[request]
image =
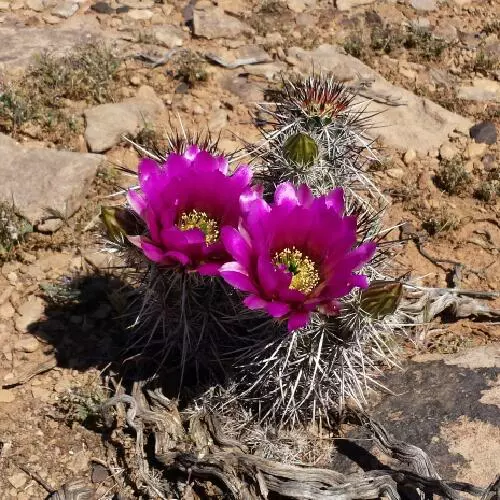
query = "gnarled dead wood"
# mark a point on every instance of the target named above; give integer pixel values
(204, 454)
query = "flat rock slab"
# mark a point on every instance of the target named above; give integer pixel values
(39, 180)
(415, 123)
(106, 124)
(215, 23)
(19, 46)
(449, 405)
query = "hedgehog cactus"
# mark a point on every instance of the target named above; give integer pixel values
(289, 296)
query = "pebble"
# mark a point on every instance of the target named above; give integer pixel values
(425, 5)
(18, 480)
(296, 6)
(29, 312)
(41, 394)
(395, 173)
(135, 80)
(410, 156)
(475, 150)
(65, 9)
(102, 8)
(139, 14)
(28, 344)
(6, 311)
(36, 5)
(50, 19)
(484, 132)
(169, 36)
(7, 396)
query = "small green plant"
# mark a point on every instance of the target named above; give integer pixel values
(426, 46)
(354, 46)
(452, 176)
(189, 67)
(488, 191)
(82, 405)
(444, 220)
(40, 96)
(13, 229)
(484, 63)
(385, 39)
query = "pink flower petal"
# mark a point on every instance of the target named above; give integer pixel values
(335, 200)
(237, 276)
(254, 303)
(178, 257)
(297, 320)
(285, 195)
(236, 246)
(304, 195)
(277, 309)
(152, 252)
(136, 201)
(209, 269)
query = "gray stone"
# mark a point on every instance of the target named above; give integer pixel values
(417, 123)
(106, 124)
(349, 4)
(215, 23)
(481, 90)
(102, 8)
(65, 9)
(39, 179)
(485, 132)
(424, 5)
(169, 36)
(20, 45)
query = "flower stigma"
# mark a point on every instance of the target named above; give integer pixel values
(200, 220)
(305, 276)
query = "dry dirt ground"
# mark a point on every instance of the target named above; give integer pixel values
(57, 338)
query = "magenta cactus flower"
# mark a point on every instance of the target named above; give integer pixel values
(185, 203)
(296, 255)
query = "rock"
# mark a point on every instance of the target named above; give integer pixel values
(248, 92)
(41, 394)
(452, 413)
(236, 7)
(139, 15)
(123, 9)
(102, 8)
(296, 6)
(410, 156)
(36, 5)
(395, 173)
(446, 32)
(481, 90)
(447, 151)
(4, 5)
(215, 23)
(27, 344)
(139, 4)
(417, 124)
(29, 313)
(7, 396)
(20, 45)
(217, 121)
(65, 9)
(50, 19)
(169, 36)
(425, 5)
(349, 4)
(475, 150)
(484, 132)
(38, 179)
(18, 480)
(7, 311)
(421, 23)
(135, 80)
(106, 124)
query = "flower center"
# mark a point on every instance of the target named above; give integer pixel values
(305, 273)
(200, 220)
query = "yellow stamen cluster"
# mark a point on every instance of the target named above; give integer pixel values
(200, 220)
(304, 270)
